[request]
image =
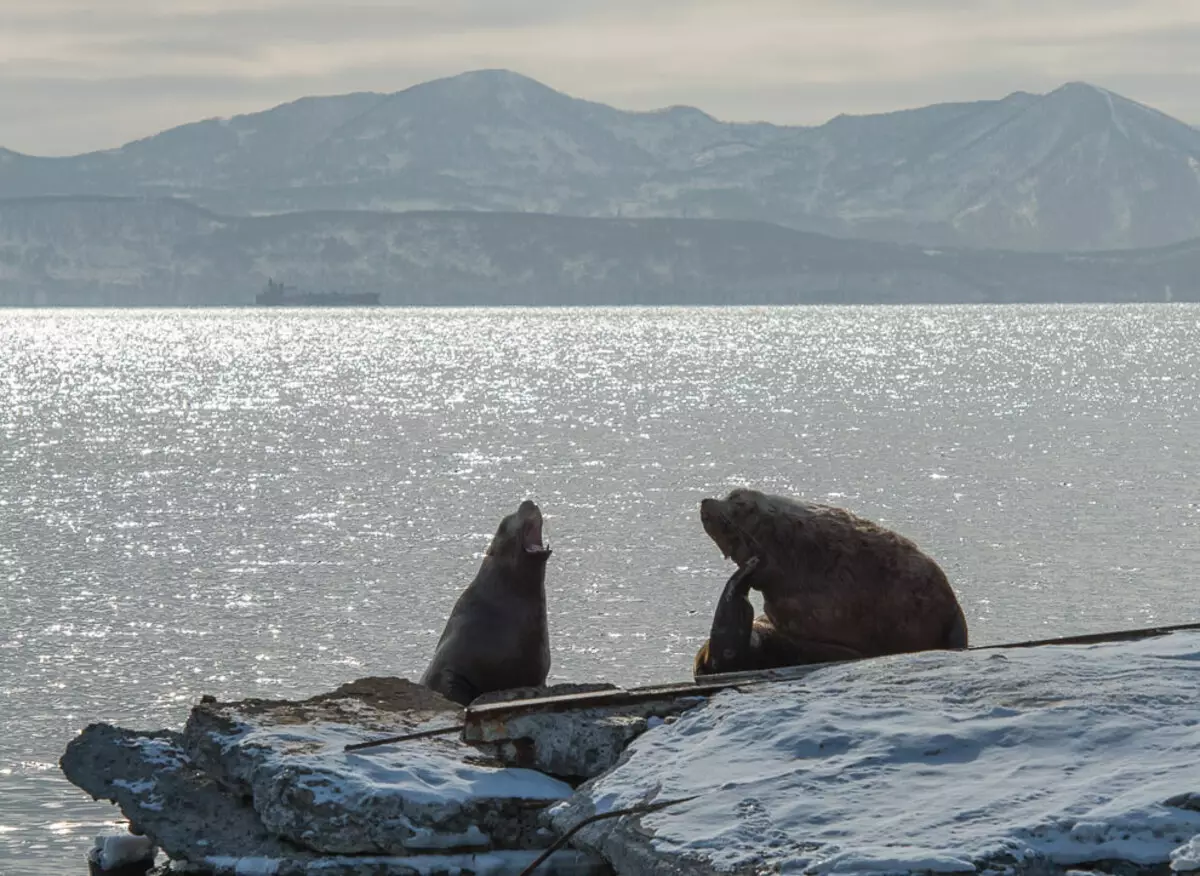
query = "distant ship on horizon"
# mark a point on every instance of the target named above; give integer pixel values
(280, 295)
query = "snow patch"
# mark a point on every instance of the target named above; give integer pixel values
(1112, 113)
(1186, 858)
(121, 850)
(145, 789)
(940, 762)
(243, 866)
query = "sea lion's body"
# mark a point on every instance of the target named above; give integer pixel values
(741, 642)
(832, 584)
(497, 636)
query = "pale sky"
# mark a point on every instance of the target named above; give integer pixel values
(77, 75)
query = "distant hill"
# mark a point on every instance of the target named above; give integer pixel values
(112, 251)
(1080, 168)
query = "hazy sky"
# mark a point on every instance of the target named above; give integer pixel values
(77, 75)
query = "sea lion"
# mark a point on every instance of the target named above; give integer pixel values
(740, 642)
(832, 582)
(497, 637)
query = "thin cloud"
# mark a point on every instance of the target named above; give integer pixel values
(74, 77)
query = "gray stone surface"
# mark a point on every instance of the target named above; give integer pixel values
(266, 786)
(165, 796)
(378, 707)
(571, 744)
(510, 863)
(426, 795)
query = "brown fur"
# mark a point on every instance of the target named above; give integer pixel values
(832, 579)
(738, 641)
(769, 649)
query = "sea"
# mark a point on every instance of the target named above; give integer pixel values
(269, 503)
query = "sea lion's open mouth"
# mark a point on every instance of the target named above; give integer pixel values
(531, 538)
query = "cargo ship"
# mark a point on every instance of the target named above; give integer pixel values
(280, 295)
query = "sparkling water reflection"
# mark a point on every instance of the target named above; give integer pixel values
(271, 503)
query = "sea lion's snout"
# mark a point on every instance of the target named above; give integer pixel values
(520, 535)
(531, 530)
(716, 524)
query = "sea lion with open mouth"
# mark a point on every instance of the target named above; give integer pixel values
(497, 637)
(834, 586)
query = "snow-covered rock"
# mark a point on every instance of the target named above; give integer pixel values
(1026, 762)
(420, 796)
(1020, 761)
(267, 786)
(165, 797)
(1186, 858)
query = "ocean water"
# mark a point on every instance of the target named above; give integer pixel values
(270, 503)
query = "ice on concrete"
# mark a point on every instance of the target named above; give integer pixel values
(941, 762)
(121, 850)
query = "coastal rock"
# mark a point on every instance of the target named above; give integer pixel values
(575, 746)
(1022, 761)
(165, 797)
(266, 786)
(571, 745)
(377, 706)
(507, 863)
(1186, 858)
(421, 796)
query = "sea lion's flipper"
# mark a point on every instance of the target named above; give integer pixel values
(732, 645)
(739, 581)
(452, 686)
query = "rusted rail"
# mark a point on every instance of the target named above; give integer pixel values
(407, 737)
(490, 715)
(1096, 638)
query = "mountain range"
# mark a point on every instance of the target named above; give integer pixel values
(94, 250)
(1078, 169)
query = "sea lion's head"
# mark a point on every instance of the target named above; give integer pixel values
(728, 523)
(519, 537)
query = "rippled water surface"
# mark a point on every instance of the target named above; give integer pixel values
(267, 503)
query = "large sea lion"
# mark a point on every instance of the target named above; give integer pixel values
(496, 637)
(834, 586)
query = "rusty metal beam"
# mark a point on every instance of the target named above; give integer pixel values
(1097, 638)
(487, 721)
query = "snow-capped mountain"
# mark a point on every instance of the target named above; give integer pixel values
(1079, 168)
(99, 251)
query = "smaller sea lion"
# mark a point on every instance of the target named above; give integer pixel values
(740, 642)
(832, 580)
(497, 637)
